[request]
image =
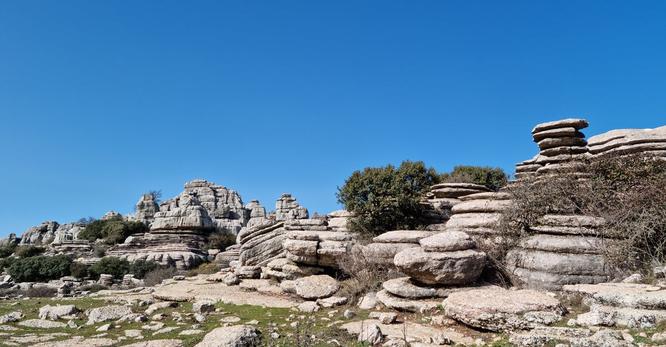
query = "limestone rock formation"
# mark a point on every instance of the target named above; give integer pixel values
(42, 234)
(447, 258)
(261, 243)
(630, 141)
(146, 208)
(311, 242)
(384, 247)
(560, 250)
(287, 208)
(498, 309)
(442, 197)
(176, 235)
(223, 206)
(257, 214)
(479, 216)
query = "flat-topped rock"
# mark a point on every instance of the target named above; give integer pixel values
(557, 132)
(481, 206)
(561, 142)
(316, 287)
(487, 196)
(405, 288)
(498, 309)
(403, 304)
(474, 220)
(571, 221)
(630, 295)
(447, 241)
(563, 243)
(402, 236)
(575, 123)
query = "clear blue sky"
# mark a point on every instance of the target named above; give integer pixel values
(103, 100)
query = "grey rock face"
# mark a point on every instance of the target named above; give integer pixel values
(146, 208)
(106, 313)
(232, 336)
(443, 268)
(261, 243)
(316, 287)
(287, 208)
(42, 234)
(57, 311)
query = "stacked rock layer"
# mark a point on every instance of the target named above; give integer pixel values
(384, 247)
(561, 250)
(442, 197)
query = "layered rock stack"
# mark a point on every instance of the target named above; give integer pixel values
(479, 215)
(443, 261)
(384, 247)
(176, 235)
(442, 197)
(257, 214)
(630, 141)
(146, 208)
(229, 256)
(287, 208)
(561, 250)
(223, 206)
(561, 147)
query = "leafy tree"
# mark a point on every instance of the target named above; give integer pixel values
(112, 231)
(493, 178)
(39, 268)
(387, 198)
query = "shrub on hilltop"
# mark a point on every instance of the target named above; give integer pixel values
(493, 178)
(387, 198)
(112, 231)
(28, 251)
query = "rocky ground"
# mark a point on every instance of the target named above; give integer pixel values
(196, 311)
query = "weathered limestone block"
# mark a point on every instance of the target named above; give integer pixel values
(498, 309)
(42, 234)
(262, 243)
(449, 268)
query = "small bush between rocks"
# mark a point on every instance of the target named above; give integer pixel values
(387, 198)
(7, 250)
(628, 192)
(78, 270)
(111, 266)
(362, 274)
(221, 240)
(205, 268)
(156, 276)
(112, 231)
(39, 268)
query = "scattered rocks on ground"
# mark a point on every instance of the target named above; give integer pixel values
(233, 336)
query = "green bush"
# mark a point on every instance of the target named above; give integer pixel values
(156, 276)
(111, 266)
(387, 198)
(112, 231)
(221, 240)
(39, 268)
(78, 270)
(493, 178)
(28, 251)
(140, 268)
(7, 250)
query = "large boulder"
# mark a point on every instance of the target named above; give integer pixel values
(232, 336)
(313, 287)
(106, 313)
(448, 258)
(498, 309)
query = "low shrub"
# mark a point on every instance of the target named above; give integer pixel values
(28, 251)
(94, 287)
(362, 274)
(205, 268)
(78, 270)
(628, 192)
(40, 292)
(112, 266)
(7, 250)
(140, 268)
(112, 231)
(221, 240)
(39, 268)
(156, 276)
(493, 178)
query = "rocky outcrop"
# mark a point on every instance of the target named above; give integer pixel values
(176, 235)
(498, 309)
(479, 215)
(312, 242)
(447, 258)
(384, 247)
(146, 208)
(229, 255)
(42, 234)
(560, 250)
(261, 243)
(636, 306)
(223, 206)
(442, 197)
(257, 214)
(629, 141)
(287, 208)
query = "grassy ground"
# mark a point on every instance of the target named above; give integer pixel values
(267, 320)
